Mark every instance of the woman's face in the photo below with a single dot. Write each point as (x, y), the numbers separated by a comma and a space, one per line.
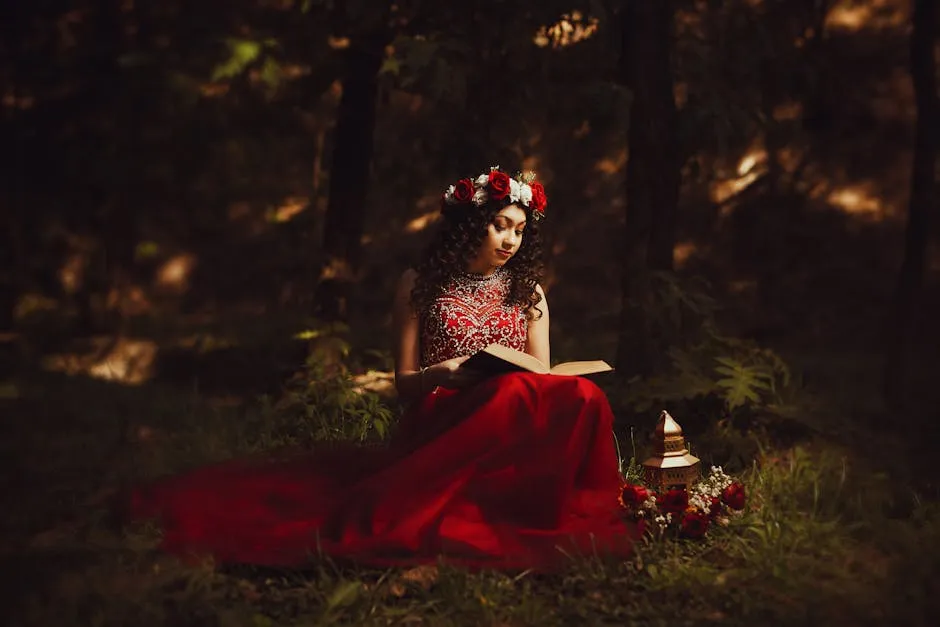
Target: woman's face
(502, 240)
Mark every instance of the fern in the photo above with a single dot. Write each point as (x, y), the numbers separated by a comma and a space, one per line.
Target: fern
(742, 384)
(701, 361)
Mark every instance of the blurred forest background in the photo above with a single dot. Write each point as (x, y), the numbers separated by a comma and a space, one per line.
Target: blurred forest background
(190, 184)
(199, 198)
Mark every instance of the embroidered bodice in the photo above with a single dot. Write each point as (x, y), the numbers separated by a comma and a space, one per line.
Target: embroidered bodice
(470, 315)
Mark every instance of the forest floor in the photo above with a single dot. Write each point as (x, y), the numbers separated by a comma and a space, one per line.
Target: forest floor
(831, 536)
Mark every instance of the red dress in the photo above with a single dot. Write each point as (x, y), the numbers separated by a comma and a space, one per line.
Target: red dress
(519, 471)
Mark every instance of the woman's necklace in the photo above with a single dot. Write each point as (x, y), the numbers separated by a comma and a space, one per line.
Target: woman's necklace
(478, 279)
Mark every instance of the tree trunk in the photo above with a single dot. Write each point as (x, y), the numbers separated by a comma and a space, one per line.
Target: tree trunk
(924, 198)
(349, 176)
(653, 177)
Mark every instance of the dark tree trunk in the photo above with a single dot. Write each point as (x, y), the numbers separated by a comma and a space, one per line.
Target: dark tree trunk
(653, 176)
(12, 260)
(349, 176)
(924, 199)
(110, 214)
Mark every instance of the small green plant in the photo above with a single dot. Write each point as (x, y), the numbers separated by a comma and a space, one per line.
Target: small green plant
(329, 406)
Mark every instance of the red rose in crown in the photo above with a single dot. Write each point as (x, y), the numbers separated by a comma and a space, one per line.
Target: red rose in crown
(463, 191)
(539, 200)
(498, 184)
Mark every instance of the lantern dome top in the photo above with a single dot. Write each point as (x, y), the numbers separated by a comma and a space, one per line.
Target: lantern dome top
(667, 427)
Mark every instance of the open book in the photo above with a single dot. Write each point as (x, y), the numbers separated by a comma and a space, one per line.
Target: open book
(497, 359)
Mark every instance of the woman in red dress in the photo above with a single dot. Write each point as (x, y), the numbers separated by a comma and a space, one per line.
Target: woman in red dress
(511, 471)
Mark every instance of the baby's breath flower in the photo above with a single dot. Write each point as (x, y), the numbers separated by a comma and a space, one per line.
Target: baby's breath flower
(699, 502)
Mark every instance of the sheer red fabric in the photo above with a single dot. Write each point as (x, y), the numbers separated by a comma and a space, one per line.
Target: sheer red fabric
(517, 472)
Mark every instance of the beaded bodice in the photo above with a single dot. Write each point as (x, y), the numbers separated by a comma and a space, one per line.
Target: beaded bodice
(468, 316)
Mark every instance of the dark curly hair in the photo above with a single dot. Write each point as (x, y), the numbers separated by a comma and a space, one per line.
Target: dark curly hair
(456, 244)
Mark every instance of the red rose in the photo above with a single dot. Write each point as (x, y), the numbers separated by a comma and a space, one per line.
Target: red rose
(674, 501)
(463, 191)
(714, 506)
(539, 200)
(499, 185)
(694, 525)
(734, 496)
(633, 496)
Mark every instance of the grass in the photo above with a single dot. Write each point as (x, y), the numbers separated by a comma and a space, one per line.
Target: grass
(828, 539)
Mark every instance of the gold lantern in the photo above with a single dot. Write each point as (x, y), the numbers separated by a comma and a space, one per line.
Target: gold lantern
(671, 466)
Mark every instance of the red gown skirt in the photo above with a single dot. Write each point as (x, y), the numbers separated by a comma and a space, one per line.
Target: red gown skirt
(518, 472)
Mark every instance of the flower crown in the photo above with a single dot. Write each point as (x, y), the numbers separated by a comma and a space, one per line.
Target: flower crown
(497, 185)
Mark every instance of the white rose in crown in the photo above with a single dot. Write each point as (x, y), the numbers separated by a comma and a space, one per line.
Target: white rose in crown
(515, 190)
(480, 197)
(525, 194)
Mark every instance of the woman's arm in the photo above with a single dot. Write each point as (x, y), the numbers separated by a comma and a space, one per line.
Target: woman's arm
(408, 376)
(537, 341)
(411, 381)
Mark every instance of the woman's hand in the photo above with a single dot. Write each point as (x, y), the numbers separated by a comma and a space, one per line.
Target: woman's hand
(449, 374)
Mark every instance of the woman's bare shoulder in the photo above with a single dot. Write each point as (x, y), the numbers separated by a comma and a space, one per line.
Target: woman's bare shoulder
(406, 283)
(408, 279)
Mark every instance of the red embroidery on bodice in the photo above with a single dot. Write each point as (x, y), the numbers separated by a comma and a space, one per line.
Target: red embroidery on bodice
(470, 315)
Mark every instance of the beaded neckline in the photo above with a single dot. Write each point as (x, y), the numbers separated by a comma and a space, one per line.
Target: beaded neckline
(479, 278)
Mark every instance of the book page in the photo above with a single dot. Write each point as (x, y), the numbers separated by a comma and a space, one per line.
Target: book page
(497, 358)
(578, 368)
(514, 357)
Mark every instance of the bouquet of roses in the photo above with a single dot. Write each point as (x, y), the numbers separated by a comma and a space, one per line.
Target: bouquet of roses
(689, 513)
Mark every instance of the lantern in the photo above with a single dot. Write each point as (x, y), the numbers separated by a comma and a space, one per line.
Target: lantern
(671, 465)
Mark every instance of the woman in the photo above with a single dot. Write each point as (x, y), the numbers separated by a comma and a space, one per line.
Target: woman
(510, 471)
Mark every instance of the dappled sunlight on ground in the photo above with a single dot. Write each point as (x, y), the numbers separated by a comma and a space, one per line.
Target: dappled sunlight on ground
(174, 274)
(129, 361)
(570, 29)
(422, 222)
(613, 164)
(751, 160)
(289, 208)
(855, 15)
(381, 382)
(857, 200)
(747, 171)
